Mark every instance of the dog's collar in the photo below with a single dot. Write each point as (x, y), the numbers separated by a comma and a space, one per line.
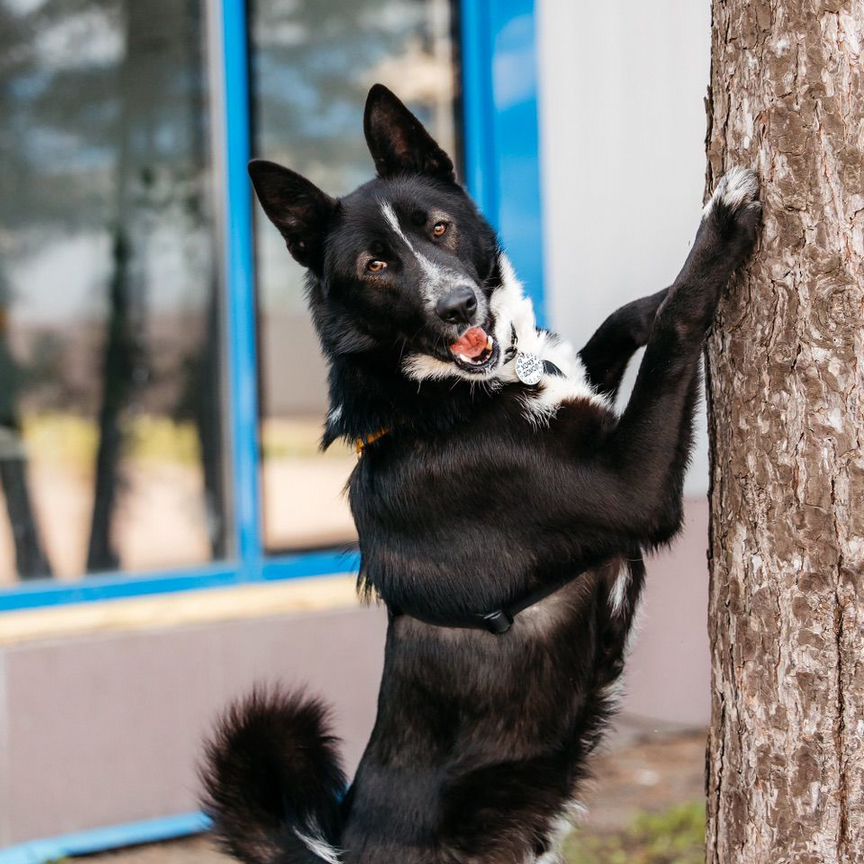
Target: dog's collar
(530, 368)
(360, 444)
(498, 621)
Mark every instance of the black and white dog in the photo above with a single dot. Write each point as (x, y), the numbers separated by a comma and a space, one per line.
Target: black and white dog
(502, 507)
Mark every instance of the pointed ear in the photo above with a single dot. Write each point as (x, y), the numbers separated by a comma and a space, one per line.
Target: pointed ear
(298, 208)
(397, 140)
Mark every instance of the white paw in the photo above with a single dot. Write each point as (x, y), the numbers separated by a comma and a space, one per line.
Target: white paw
(737, 188)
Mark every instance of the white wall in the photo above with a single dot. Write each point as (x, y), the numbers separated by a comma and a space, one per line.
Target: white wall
(622, 85)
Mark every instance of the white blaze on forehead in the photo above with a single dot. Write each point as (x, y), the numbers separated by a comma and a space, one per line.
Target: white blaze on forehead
(434, 275)
(393, 220)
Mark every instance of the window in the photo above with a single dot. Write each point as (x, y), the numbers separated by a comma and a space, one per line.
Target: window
(161, 388)
(111, 448)
(310, 75)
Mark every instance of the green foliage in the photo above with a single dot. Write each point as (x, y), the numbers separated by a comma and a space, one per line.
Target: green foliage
(72, 439)
(675, 836)
(298, 439)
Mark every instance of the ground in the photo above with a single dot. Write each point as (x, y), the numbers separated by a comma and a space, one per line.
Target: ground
(645, 807)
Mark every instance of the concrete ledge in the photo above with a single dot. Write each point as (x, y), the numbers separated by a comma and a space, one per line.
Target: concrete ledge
(175, 610)
(104, 727)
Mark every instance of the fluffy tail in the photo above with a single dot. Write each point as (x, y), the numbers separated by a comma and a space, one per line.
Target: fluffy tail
(273, 782)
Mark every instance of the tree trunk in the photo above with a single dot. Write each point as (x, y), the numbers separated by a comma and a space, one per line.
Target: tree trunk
(786, 397)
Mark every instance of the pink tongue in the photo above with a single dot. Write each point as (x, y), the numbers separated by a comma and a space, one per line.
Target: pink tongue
(472, 344)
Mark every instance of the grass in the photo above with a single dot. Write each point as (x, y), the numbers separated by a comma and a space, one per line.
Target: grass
(72, 440)
(675, 836)
(298, 438)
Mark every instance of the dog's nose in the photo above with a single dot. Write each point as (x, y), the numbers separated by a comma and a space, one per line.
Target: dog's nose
(459, 305)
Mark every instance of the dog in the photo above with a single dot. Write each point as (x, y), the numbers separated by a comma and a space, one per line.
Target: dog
(502, 508)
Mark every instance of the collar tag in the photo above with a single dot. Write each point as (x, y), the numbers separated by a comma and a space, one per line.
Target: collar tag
(529, 368)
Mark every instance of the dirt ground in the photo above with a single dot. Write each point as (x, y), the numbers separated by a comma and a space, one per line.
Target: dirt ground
(645, 773)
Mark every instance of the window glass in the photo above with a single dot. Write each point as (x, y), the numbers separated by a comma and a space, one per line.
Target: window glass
(110, 404)
(312, 64)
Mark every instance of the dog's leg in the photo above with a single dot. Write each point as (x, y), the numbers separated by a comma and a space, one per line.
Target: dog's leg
(649, 448)
(607, 353)
(629, 492)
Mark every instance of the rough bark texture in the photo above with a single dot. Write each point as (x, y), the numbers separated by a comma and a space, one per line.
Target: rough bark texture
(786, 390)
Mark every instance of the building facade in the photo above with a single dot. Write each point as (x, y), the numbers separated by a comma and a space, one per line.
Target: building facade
(170, 532)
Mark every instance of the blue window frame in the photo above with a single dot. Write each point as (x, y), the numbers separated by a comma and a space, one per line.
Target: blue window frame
(500, 93)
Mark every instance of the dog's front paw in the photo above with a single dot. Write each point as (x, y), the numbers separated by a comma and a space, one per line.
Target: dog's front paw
(735, 209)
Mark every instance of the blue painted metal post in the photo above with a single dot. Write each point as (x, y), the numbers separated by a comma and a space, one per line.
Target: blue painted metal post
(103, 839)
(240, 279)
(502, 149)
(478, 104)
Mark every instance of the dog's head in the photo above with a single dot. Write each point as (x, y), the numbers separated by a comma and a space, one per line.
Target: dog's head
(404, 265)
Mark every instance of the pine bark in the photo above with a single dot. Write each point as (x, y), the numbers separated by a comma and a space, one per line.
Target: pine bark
(786, 415)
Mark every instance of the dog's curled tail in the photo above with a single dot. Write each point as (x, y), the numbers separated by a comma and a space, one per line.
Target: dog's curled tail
(272, 780)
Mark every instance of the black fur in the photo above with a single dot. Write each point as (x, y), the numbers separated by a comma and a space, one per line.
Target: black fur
(271, 767)
(467, 504)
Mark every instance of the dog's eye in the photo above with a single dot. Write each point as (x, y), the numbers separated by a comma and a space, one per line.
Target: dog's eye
(376, 265)
(439, 229)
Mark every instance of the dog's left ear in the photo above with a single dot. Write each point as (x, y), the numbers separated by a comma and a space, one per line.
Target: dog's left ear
(397, 140)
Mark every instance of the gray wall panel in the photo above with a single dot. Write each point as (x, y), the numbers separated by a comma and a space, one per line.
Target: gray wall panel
(622, 129)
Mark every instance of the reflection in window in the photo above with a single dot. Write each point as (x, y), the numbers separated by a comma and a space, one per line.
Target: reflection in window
(110, 443)
(312, 64)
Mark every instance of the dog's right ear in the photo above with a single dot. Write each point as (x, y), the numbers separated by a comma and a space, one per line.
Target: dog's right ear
(298, 208)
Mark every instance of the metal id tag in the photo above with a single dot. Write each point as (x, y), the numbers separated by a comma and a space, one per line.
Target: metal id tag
(529, 368)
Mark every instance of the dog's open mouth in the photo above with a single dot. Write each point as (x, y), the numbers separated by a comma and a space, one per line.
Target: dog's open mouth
(475, 350)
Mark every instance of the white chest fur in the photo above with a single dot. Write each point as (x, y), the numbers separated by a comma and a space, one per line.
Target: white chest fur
(514, 312)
